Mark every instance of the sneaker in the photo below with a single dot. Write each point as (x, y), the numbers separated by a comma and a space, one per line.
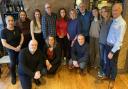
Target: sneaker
(64, 61)
(101, 74)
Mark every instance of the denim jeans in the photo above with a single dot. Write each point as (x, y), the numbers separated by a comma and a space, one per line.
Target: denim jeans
(103, 55)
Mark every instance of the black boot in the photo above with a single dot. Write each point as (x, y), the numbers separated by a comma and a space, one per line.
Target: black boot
(37, 82)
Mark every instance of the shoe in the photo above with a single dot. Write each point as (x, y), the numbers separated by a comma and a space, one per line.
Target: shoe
(101, 74)
(13, 81)
(112, 82)
(64, 61)
(37, 82)
(82, 72)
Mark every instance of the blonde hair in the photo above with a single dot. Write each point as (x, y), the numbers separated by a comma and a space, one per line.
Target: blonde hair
(73, 10)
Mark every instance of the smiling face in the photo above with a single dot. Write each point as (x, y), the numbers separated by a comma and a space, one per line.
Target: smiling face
(95, 13)
(48, 8)
(37, 15)
(81, 39)
(82, 7)
(23, 16)
(10, 21)
(33, 46)
(51, 41)
(72, 14)
(62, 13)
(116, 10)
(104, 13)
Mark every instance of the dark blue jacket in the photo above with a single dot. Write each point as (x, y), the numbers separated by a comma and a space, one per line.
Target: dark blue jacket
(80, 53)
(85, 22)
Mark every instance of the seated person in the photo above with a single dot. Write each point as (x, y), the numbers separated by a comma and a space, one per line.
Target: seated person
(30, 64)
(79, 54)
(52, 54)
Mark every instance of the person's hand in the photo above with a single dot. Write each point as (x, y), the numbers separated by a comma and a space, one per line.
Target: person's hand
(51, 48)
(110, 55)
(48, 64)
(37, 75)
(72, 43)
(61, 36)
(49, 67)
(75, 63)
(68, 36)
(17, 49)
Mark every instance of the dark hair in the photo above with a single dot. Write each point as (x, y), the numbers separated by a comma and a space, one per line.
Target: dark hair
(96, 8)
(23, 12)
(47, 40)
(34, 19)
(59, 16)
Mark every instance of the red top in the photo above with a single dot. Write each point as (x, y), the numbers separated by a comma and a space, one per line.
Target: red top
(61, 27)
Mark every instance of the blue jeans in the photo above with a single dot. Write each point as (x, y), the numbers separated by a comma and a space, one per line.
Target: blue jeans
(26, 81)
(111, 65)
(82, 65)
(13, 62)
(103, 55)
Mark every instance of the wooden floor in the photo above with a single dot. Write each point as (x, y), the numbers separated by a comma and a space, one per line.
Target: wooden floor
(66, 79)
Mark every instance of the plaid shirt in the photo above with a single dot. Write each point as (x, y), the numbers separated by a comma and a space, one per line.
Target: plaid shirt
(49, 25)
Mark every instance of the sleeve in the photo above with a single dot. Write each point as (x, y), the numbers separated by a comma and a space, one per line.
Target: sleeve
(44, 26)
(41, 61)
(23, 65)
(3, 35)
(86, 54)
(78, 27)
(57, 58)
(73, 52)
(118, 43)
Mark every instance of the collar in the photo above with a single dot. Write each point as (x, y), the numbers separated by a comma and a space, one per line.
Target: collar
(83, 13)
(117, 19)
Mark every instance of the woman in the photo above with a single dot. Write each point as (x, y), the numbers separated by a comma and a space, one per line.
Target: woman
(35, 27)
(94, 38)
(12, 40)
(52, 54)
(24, 24)
(61, 29)
(105, 25)
(73, 29)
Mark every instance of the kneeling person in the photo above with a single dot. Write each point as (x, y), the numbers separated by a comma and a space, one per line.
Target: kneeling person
(52, 54)
(79, 54)
(30, 64)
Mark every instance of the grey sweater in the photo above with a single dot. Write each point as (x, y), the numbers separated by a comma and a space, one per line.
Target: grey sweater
(104, 31)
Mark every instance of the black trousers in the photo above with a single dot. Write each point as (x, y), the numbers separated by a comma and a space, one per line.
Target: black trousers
(40, 40)
(26, 81)
(64, 47)
(111, 65)
(14, 62)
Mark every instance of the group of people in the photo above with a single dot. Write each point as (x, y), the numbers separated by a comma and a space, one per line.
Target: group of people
(83, 38)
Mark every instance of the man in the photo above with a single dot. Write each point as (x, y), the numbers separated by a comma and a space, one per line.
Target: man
(79, 54)
(48, 22)
(30, 63)
(12, 40)
(114, 42)
(84, 20)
